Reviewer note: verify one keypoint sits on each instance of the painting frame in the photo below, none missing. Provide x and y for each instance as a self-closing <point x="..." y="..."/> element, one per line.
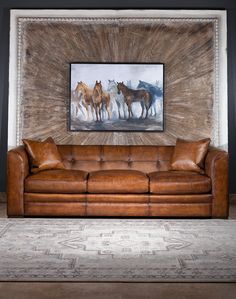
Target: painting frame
<point x="134" y="122"/>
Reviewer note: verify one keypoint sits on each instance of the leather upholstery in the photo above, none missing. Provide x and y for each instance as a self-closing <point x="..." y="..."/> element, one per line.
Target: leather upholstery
<point x="180" y="199"/>
<point x="57" y="181"/>
<point x="179" y="182"/>
<point x="50" y="209"/>
<point x="55" y="200"/>
<point x="43" y="155"/>
<point x="117" y="209"/>
<point x="118" y="198"/>
<point x="189" y="155"/>
<point x="118" y="181"/>
<point x="180" y="210"/>
<point x="217" y="169"/>
<point x="52" y="197"/>
<point x="17" y="171"/>
<point x="100" y="157"/>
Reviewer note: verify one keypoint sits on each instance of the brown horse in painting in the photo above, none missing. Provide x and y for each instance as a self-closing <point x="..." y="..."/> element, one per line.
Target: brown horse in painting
<point x="100" y="99"/>
<point x="138" y="95"/>
<point x="85" y="94"/>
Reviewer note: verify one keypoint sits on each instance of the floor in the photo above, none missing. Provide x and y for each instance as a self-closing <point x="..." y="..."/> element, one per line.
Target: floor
<point x="45" y="290"/>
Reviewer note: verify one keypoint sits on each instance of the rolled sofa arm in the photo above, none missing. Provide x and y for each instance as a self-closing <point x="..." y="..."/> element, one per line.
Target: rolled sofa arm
<point x="17" y="171"/>
<point x="216" y="167"/>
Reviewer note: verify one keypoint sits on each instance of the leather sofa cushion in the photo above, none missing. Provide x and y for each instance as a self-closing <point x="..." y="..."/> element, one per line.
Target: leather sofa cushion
<point x="143" y="158"/>
<point x="179" y="182"/>
<point x="189" y="155"/>
<point x="57" y="181"/>
<point x="118" y="181"/>
<point x="43" y="155"/>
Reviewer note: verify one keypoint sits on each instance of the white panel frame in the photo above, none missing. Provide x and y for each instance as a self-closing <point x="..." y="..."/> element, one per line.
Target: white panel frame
<point x="220" y="121"/>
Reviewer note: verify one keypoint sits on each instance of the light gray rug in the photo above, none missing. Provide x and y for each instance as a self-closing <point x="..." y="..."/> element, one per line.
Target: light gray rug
<point x="117" y="250"/>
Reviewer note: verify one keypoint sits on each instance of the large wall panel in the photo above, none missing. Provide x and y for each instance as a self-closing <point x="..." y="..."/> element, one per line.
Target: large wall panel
<point x="188" y="46"/>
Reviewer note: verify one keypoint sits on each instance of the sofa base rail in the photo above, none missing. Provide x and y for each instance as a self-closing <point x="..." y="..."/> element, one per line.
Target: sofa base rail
<point x="72" y="209"/>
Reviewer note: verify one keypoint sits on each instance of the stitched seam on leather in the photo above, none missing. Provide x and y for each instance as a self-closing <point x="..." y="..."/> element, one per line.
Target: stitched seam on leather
<point x="55" y="180"/>
<point x="102" y="158"/>
<point x="71" y="155"/>
<point x="129" y="157"/>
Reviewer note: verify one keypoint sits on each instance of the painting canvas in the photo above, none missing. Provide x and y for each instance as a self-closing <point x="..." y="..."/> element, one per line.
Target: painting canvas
<point x="116" y="97"/>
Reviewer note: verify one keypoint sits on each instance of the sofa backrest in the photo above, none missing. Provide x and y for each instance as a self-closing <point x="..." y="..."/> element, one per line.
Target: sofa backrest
<point x="100" y="157"/>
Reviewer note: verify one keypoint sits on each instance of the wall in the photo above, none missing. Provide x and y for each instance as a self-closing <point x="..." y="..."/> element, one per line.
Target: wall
<point x="4" y="21"/>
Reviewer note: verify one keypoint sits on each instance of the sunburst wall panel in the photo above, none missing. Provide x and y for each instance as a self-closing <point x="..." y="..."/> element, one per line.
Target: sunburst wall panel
<point x="186" y="46"/>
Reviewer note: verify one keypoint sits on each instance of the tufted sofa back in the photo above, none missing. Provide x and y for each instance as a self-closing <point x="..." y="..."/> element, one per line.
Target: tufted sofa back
<point x="100" y="157"/>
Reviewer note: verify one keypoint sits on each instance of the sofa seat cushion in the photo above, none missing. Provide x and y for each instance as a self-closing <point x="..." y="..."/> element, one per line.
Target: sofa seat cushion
<point x="179" y="182"/>
<point x="57" y="181"/>
<point x="118" y="181"/>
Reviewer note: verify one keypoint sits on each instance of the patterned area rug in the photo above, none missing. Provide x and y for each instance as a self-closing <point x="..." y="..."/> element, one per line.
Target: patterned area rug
<point x="117" y="250"/>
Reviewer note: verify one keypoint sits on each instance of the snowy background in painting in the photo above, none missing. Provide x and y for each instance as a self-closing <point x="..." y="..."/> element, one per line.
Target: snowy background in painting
<point x="134" y="76"/>
<point x="89" y="73"/>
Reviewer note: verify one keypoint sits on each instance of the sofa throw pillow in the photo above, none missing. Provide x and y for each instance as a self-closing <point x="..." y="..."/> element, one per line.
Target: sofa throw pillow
<point x="190" y="155"/>
<point x="43" y="155"/>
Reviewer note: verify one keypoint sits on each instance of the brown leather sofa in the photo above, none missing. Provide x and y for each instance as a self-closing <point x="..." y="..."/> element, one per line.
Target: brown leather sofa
<point x="118" y="181"/>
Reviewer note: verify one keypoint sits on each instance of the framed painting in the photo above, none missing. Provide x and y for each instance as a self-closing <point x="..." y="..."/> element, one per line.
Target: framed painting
<point x="116" y="97"/>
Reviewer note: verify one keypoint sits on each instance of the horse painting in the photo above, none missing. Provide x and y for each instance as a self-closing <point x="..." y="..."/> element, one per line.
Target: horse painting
<point x="101" y="99"/>
<point x="116" y="97"/>
<point x="135" y="95"/>
<point x="85" y="94"/>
